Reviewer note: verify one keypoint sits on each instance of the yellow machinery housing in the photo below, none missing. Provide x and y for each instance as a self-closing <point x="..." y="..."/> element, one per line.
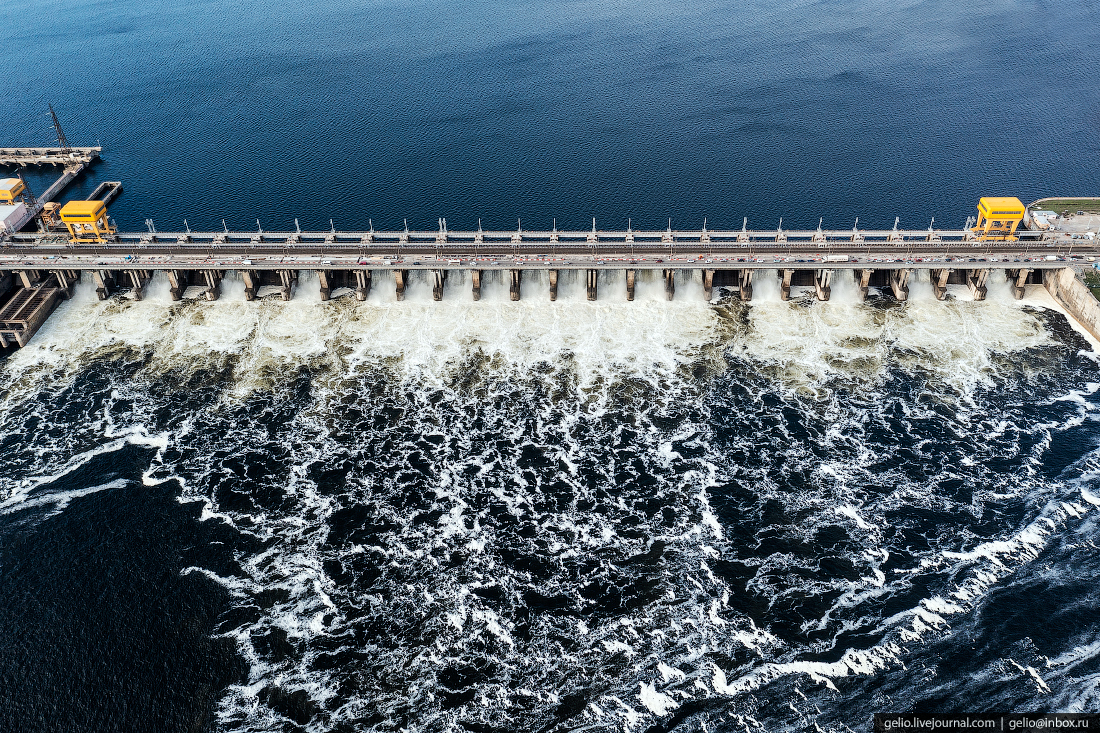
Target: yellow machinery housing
<point x="10" y="190"/>
<point x="87" y="221"/>
<point x="998" y="217"/>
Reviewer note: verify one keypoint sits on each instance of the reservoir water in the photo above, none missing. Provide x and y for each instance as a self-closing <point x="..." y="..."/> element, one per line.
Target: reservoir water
<point x="502" y="516"/>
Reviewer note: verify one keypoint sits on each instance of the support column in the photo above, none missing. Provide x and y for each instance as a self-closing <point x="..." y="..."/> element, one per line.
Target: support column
<point x="630" y="285"/>
<point x="785" y="284"/>
<point x="1018" y="279"/>
<point x="325" y="278"/>
<point x="439" y="277"/>
<point x="864" y="279"/>
<point x="475" y="284"/>
<point x="939" y="282"/>
<point x="67" y="279"/>
<point x="103" y="283"/>
<point x="30" y="278"/>
<point x="251" y="280"/>
<point x="670" y="284"/>
<point x="592" y="282"/>
<point x="744" y="281"/>
<point x="976" y="280"/>
<point x="213" y="280"/>
<point x="822" y="280"/>
<point x="513" y="288"/>
<point x="708" y="284"/>
<point x="899" y="283"/>
<point x="138" y="278"/>
<point x="401" y="279"/>
<point x="362" y="284"/>
<point x="553" y="284"/>
<point x="289" y="280"/>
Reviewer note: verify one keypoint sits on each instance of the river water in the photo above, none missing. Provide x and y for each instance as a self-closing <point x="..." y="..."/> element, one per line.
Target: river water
<point x="460" y="516"/>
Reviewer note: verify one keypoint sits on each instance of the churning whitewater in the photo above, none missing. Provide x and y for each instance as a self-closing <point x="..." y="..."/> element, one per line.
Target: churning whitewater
<point x="602" y="516"/>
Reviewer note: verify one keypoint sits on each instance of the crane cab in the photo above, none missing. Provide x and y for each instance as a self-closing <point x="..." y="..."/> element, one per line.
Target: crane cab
<point x="86" y="221"/>
<point x="998" y="217"/>
<point x="11" y="189"/>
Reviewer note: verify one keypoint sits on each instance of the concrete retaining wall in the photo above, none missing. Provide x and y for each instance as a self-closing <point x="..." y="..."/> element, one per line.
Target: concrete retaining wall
<point x="1072" y="295"/>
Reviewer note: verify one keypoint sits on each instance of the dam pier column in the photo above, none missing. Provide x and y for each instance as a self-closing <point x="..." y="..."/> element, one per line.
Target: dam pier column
<point x="177" y="283"/>
<point x="630" y="285"/>
<point x="863" y="279"/>
<point x="213" y="284"/>
<point x="592" y="284"/>
<point x="138" y="279"/>
<point x="251" y="280"/>
<point x="67" y="279"/>
<point x="401" y="281"/>
<point x="362" y="284"/>
<point x="1018" y="279"/>
<point x="744" y="281"/>
<point x="899" y="283"/>
<point x="439" y="277"/>
<point x="670" y="284"/>
<point x="325" y="278"/>
<point x="975" y="279"/>
<point x="514" y="279"/>
<point x="553" y="284"/>
<point x="104" y="282"/>
<point x="30" y="278"/>
<point x="475" y="284"/>
<point x="785" y="284"/>
<point x="939" y="282"/>
<point x="708" y="284"/>
<point x="288" y="279"/>
<point x="822" y="280"/>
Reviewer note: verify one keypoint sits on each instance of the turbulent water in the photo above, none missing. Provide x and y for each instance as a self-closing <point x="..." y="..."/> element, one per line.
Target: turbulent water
<point x="535" y="516"/>
<point x="572" y="516"/>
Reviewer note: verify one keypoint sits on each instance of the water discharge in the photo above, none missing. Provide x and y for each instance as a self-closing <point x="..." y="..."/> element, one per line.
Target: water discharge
<point x="608" y="515"/>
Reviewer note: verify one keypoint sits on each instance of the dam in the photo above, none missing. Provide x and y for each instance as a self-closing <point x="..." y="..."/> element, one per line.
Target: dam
<point x="39" y="269"/>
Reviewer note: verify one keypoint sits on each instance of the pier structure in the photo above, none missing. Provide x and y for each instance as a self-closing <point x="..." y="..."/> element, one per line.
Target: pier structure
<point x="72" y="161"/>
<point x="729" y="263"/>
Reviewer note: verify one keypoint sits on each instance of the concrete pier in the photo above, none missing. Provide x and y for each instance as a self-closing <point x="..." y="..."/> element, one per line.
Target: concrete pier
<point x="975" y="280"/>
<point x="439" y="279"/>
<point x="708" y="284"/>
<point x="863" y="281"/>
<point x="630" y="278"/>
<point x="475" y="284"/>
<point x="324" y="277"/>
<point x="177" y="283"/>
<point x="66" y="280"/>
<point x="362" y="284"/>
<point x="939" y="280"/>
<point x="138" y="280"/>
<point x="592" y="284"/>
<point x="514" y="279"/>
<point x="401" y="280"/>
<point x="553" y="275"/>
<point x="785" y="277"/>
<point x="288" y="280"/>
<point x="104" y="283"/>
<point x="899" y="283"/>
<point x="822" y="284"/>
<point x="744" y="285"/>
<point x="670" y="284"/>
<point x="1017" y="279"/>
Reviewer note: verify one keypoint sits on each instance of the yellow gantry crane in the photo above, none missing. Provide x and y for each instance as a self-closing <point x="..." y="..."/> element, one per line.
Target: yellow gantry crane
<point x="87" y="221"/>
<point x="998" y="217"/>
